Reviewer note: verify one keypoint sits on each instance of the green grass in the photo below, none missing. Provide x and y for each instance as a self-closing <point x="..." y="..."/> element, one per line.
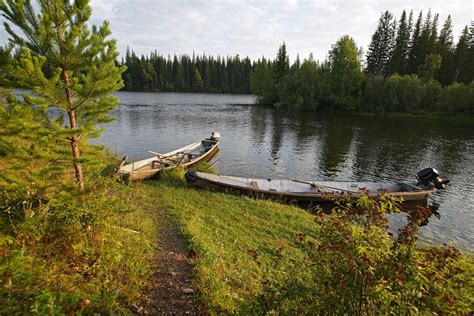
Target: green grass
<point x="252" y="259"/>
<point x="92" y="252"/>
<point x="92" y="257"/>
<point x="239" y="241"/>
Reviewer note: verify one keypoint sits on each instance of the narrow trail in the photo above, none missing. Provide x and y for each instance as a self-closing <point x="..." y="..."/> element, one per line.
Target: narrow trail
<point x="170" y="290"/>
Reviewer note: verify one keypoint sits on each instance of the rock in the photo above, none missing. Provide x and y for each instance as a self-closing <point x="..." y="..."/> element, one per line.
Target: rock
<point x="188" y="291"/>
<point x="173" y="273"/>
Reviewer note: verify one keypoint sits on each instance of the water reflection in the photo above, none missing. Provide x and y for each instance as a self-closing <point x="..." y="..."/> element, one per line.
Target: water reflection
<point x="278" y="121"/>
<point x="262" y="142"/>
<point x="336" y="140"/>
<point x="258" y="124"/>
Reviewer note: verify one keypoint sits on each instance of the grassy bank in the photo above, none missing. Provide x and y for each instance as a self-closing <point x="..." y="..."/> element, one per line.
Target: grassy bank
<point x="84" y="253"/>
<point x="92" y="252"/>
<point x="256" y="256"/>
<point x="239" y="242"/>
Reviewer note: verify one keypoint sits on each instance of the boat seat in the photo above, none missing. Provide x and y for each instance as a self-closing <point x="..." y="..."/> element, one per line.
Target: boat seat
<point x="156" y="164"/>
<point x="188" y="153"/>
<point x="209" y="141"/>
<point x="410" y="187"/>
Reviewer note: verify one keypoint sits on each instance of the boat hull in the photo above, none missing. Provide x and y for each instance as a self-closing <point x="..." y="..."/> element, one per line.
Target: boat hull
<point x="216" y="183"/>
<point x="147" y="170"/>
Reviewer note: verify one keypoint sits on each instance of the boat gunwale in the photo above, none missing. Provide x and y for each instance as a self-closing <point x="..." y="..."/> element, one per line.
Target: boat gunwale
<point x="138" y="174"/>
<point x="325" y="196"/>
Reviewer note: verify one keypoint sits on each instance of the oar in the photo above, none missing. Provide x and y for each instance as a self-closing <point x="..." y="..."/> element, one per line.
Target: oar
<point x="305" y="182"/>
<point x="179" y="163"/>
<point x="155" y="153"/>
<point x="312" y="184"/>
<point x="122" y="163"/>
<point x="212" y="164"/>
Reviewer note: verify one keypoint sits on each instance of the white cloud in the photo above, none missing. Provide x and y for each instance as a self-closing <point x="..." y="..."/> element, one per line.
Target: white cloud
<point x="254" y="28"/>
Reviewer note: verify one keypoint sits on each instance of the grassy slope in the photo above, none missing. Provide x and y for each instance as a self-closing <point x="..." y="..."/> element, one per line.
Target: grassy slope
<point x="241" y="244"/>
<point x="238" y="241"/>
<point x="244" y="247"/>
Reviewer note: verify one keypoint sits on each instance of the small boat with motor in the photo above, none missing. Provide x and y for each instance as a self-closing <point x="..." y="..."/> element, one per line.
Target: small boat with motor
<point x="428" y="180"/>
<point x="186" y="157"/>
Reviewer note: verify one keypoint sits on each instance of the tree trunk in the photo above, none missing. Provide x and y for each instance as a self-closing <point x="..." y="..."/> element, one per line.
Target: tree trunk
<point x="74" y="139"/>
<point x="75" y="152"/>
<point x="71" y="113"/>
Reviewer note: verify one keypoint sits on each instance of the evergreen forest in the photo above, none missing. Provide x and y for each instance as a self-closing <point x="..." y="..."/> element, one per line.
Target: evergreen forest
<point x="187" y="74"/>
<point x="413" y="64"/>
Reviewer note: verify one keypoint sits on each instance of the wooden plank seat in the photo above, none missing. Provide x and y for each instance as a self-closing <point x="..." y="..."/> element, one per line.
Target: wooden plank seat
<point x="157" y="163"/>
<point x="410" y="187"/>
<point x="208" y="141"/>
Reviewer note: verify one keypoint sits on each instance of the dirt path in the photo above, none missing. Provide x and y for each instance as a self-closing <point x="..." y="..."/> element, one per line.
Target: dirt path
<point x="170" y="291"/>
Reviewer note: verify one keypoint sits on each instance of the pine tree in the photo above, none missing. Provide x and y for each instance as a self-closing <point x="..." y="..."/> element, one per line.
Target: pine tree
<point x="296" y="65"/>
<point x="463" y="58"/>
<point x="426" y="28"/>
<point x="433" y="35"/>
<point x="261" y="78"/>
<point x="381" y="46"/>
<point x="399" y="58"/>
<point x="410" y="22"/>
<point x="148" y="75"/>
<point x="415" y="47"/>
<point x="82" y="58"/>
<point x="471" y="35"/>
<point x="198" y="83"/>
<point x="471" y="51"/>
<point x="444" y="47"/>
<point x="281" y="64"/>
<point x="426" y="46"/>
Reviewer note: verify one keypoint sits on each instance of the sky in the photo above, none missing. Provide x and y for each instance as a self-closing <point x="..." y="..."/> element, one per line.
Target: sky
<point x="255" y="28"/>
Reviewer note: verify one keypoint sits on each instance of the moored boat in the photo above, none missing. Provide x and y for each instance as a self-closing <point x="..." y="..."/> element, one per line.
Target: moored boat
<point x="296" y="190"/>
<point x="186" y="157"/>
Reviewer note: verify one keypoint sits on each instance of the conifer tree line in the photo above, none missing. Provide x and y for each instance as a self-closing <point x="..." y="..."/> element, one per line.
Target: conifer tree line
<point x="412" y="65"/>
<point x="422" y="47"/>
<point x="186" y="73"/>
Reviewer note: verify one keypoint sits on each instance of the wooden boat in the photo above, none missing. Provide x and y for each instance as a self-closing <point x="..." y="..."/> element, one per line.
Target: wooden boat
<point x="186" y="156"/>
<point x="313" y="191"/>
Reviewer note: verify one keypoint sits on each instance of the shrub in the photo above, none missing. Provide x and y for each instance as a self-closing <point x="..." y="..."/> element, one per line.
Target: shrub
<point x="457" y="98"/>
<point x="356" y="267"/>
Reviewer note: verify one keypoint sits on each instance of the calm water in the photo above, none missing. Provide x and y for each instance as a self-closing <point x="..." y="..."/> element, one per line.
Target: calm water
<point x="263" y="142"/>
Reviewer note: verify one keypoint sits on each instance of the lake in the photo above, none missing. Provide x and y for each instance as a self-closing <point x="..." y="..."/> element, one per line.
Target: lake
<point x="269" y="143"/>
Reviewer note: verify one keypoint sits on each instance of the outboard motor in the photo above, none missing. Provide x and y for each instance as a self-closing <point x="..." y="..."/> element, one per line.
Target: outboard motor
<point x="429" y="176"/>
<point x="215" y="136"/>
<point x="190" y="176"/>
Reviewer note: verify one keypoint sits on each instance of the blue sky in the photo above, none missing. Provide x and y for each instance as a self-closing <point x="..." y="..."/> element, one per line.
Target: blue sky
<point x="255" y="28"/>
